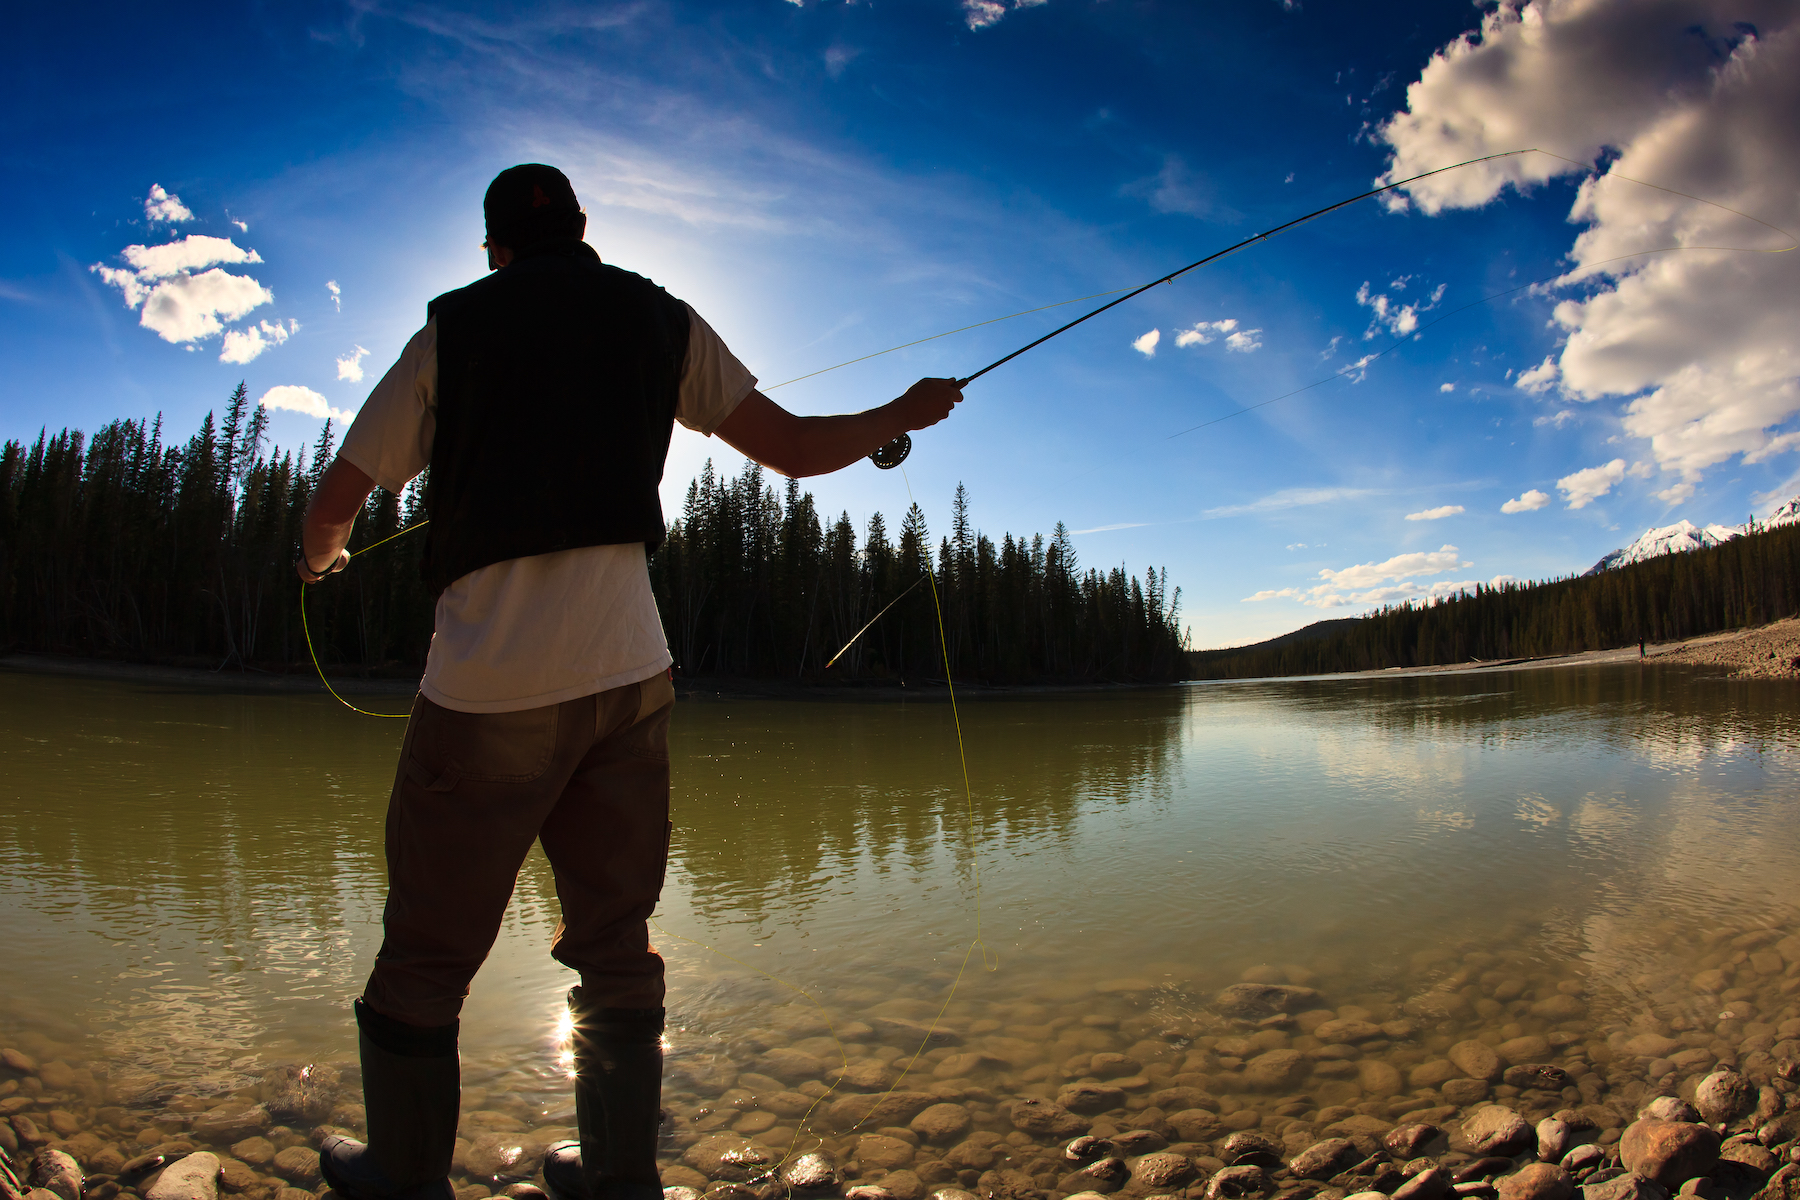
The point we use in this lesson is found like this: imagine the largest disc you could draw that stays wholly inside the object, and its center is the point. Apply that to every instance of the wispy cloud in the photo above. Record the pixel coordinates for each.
(1110, 528)
(1436, 514)
(1389, 314)
(337, 294)
(1294, 498)
(1417, 562)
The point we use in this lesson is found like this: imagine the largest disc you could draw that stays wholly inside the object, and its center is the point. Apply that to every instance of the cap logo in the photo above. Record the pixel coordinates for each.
(538, 199)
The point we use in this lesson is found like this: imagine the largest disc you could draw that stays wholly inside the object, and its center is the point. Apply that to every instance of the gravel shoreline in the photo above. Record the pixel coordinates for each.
(1498, 1080)
(1766, 652)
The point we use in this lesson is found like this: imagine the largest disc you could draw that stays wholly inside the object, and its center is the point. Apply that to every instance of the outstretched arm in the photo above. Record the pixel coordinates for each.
(341, 493)
(762, 430)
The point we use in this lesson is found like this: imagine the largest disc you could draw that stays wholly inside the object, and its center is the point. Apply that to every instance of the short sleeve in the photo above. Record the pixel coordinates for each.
(390, 440)
(713, 381)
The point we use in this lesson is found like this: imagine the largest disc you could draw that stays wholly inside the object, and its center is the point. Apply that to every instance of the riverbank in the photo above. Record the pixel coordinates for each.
(1764, 652)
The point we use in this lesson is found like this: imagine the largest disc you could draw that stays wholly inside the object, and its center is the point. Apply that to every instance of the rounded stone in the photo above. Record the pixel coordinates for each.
(1494, 1131)
(1669, 1108)
(1668, 1153)
(57, 1172)
(298, 1164)
(194, 1177)
(1090, 1098)
(809, 1173)
(1255, 1001)
(1161, 1171)
(1045, 1119)
(1537, 1181)
(1195, 1124)
(1246, 1146)
(1724, 1096)
(1433, 1183)
(1277, 1070)
(1477, 1060)
(942, 1124)
(1236, 1183)
(883, 1153)
(1322, 1160)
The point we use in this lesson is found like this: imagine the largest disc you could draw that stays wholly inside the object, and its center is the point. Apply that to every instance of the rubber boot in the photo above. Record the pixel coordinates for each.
(618, 1107)
(412, 1089)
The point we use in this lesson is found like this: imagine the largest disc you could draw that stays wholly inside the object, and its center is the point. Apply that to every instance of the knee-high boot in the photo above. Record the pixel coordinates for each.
(412, 1089)
(618, 1106)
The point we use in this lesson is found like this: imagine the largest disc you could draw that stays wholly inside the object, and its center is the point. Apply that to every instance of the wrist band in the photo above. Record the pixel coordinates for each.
(337, 564)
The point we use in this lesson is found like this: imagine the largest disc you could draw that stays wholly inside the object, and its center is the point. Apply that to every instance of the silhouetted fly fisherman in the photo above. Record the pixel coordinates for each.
(543, 398)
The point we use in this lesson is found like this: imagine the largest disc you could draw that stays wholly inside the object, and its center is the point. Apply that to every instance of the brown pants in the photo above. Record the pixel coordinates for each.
(590, 777)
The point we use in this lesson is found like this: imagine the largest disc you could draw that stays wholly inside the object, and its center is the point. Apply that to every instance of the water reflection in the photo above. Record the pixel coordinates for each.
(190, 881)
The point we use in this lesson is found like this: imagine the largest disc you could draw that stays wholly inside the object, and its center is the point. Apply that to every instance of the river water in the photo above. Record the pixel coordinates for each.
(191, 880)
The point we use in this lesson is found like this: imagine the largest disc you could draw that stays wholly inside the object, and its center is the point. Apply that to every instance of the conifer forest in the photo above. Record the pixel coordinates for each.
(1750, 580)
(134, 545)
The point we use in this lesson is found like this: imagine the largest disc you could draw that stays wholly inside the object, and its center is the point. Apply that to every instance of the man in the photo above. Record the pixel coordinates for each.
(543, 398)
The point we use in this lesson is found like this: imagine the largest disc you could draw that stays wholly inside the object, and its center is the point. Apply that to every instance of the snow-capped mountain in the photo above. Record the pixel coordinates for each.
(1683, 536)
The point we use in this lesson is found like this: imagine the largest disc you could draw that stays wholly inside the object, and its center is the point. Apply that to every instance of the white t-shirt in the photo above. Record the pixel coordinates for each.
(552, 627)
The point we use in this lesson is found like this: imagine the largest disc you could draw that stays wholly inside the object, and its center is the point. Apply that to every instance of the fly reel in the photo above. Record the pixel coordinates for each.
(894, 453)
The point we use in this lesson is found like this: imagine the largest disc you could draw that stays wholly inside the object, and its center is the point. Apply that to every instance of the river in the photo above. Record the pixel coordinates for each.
(191, 879)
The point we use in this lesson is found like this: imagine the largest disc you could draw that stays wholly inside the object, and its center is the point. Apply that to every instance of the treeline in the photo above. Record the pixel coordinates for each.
(1749, 580)
(124, 546)
(754, 583)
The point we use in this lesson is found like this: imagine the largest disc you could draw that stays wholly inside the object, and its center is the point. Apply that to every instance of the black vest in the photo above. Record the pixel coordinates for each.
(557, 383)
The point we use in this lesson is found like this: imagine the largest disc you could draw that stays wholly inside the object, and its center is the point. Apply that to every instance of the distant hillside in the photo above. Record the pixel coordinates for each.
(1317, 631)
(1748, 580)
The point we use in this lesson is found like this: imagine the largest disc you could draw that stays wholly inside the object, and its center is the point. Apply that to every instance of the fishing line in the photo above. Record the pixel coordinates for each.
(873, 619)
(314, 654)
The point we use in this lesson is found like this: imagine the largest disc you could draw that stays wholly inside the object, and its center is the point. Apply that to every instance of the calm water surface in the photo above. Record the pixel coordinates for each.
(190, 881)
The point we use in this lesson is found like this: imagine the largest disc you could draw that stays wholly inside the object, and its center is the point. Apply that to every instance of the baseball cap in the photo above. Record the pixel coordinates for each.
(529, 203)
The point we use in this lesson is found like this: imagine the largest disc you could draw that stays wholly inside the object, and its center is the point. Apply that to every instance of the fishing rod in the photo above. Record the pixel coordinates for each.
(894, 453)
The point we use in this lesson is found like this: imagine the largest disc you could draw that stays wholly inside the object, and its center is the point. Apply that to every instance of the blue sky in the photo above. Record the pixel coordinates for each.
(823, 180)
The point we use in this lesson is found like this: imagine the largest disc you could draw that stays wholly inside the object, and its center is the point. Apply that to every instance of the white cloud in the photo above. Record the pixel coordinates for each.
(1700, 96)
(1531, 501)
(1110, 528)
(1436, 514)
(1557, 419)
(1586, 486)
(1244, 341)
(1446, 387)
(979, 14)
(1641, 470)
(1540, 378)
(350, 366)
(178, 305)
(1204, 332)
(192, 252)
(1398, 319)
(1278, 593)
(1417, 562)
(160, 206)
(1675, 493)
(243, 227)
(1146, 345)
(189, 308)
(302, 400)
(337, 294)
(242, 345)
